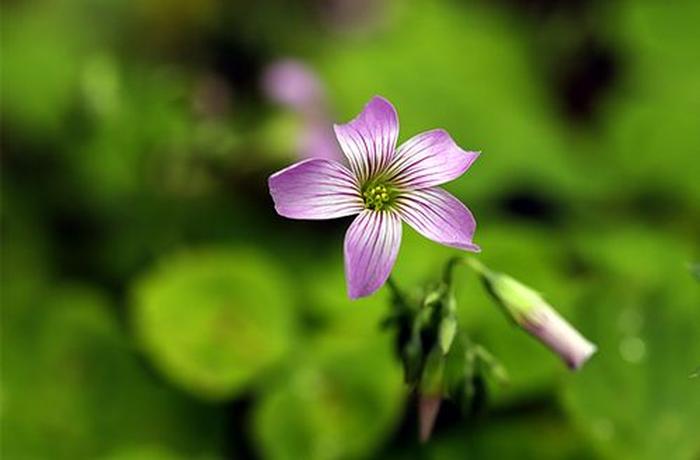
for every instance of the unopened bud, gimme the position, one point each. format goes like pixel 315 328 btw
pixel 555 332
pixel 451 303
pixel 432 298
pixel 446 334
pixel 428 408
pixel 433 373
pixel 531 312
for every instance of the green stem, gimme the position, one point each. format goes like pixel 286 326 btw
pixel 396 291
pixel 448 274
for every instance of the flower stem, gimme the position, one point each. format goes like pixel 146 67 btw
pixel 396 291
pixel 448 273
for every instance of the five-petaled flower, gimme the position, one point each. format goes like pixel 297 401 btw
pixel 383 186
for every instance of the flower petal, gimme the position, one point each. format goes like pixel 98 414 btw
pixel 439 216
pixel 429 159
pixel 371 246
pixel 315 189
pixel 369 140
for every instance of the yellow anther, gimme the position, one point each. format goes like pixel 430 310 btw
pixel 377 196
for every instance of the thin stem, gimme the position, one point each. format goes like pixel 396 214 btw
pixel 471 262
pixel 396 291
pixel 448 274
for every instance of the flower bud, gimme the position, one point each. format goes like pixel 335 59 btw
pixel 433 373
pixel 430 392
pixel 432 298
pixel 531 312
pixel 555 332
pixel 428 408
pixel 446 333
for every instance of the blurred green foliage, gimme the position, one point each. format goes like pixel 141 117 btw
pixel 74 387
pixel 155 307
pixel 340 401
pixel 648 320
pixel 214 320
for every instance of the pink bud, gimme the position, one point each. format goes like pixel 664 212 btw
pixel 530 311
pixel 551 329
pixel 428 408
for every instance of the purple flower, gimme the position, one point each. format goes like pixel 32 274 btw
pixel 292 84
pixel 383 185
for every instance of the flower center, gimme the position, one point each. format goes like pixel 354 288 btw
pixel 377 196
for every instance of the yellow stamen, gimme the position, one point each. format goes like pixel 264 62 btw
pixel 377 197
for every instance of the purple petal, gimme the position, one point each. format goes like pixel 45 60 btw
pixel 429 159
pixel 371 246
pixel 315 189
pixel 439 216
pixel 369 140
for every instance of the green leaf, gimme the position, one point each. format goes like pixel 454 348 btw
pixel 341 399
pixel 213 320
pixel 660 79
pixel 634 398
pixel 41 49
pixel 531 437
pixel 73 388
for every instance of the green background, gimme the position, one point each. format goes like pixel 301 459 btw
pixel 154 306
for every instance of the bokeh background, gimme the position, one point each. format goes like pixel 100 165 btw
pixel 154 306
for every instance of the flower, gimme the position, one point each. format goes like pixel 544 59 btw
pixel 383 186
pixel 531 312
pixel 292 84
